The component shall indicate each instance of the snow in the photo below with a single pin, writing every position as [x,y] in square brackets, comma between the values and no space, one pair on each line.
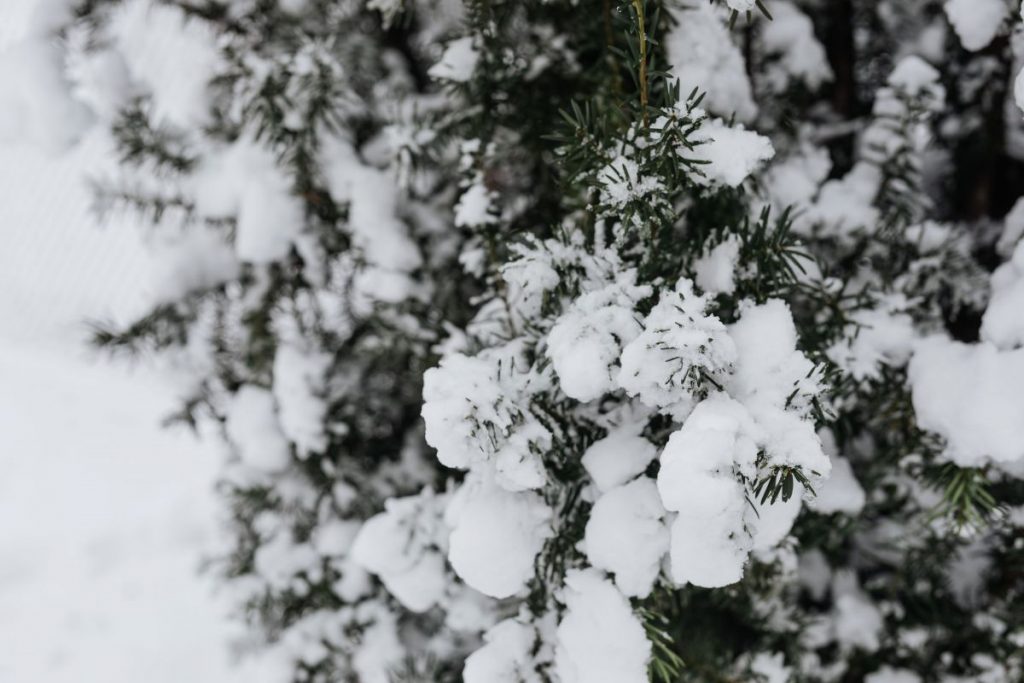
[528,278]
[976,22]
[775,382]
[1003,322]
[86,272]
[468,611]
[35,104]
[458,61]
[973,396]
[188,258]
[856,621]
[618,457]
[1013,229]
[452,393]
[930,236]
[882,335]
[599,639]
[845,204]
[585,342]
[814,573]
[506,656]
[790,441]
[841,492]
[399,545]
[706,462]
[518,465]
[795,179]
[1018,90]
[915,77]
[471,418]
[281,560]
[662,365]
[308,639]
[107,517]
[739,397]
[741,5]
[355,582]
[106,520]
[378,233]
[251,425]
[496,535]
[475,206]
[790,34]
[775,520]
[380,650]
[171,55]
[769,366]
[299,389]
[293,6]
[732,153]
[710,538]
[716,270]
[38,17]
[702,55]
[622,183]
[334,538]
[243,181]
[387,8]
[771,667]
[625,536]
[889,675]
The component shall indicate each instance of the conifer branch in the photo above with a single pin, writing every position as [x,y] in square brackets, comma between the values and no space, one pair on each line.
[641,30]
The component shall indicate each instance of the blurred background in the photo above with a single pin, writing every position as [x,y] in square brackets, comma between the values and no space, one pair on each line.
[105,517]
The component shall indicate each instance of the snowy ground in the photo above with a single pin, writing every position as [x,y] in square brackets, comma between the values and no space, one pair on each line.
[104,516]
[102,522]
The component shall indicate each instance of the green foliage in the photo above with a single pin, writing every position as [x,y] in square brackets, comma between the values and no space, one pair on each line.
[780,481]
[139,142]
[595,147]
[967,500]
[666,665]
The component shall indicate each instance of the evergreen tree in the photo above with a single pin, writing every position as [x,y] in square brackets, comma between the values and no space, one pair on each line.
[575,342]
